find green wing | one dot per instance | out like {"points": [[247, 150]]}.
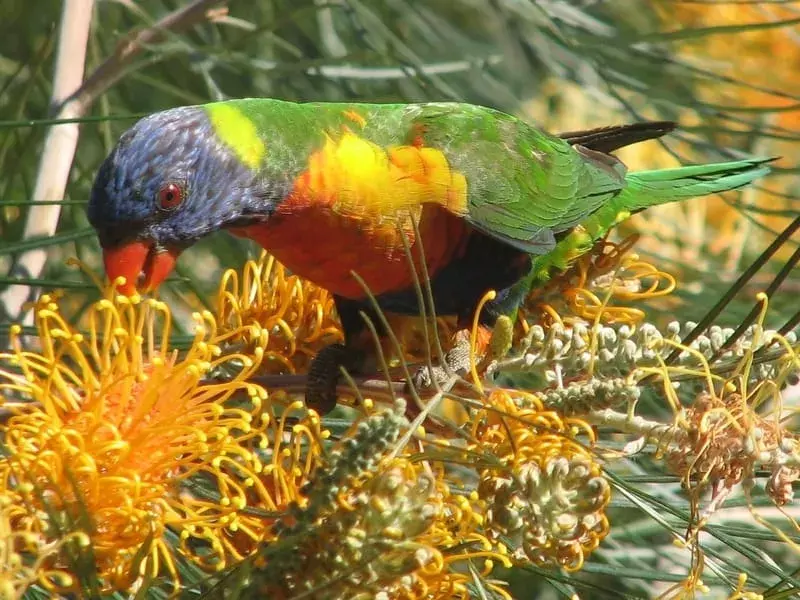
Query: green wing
{"points": [[524, 185]]}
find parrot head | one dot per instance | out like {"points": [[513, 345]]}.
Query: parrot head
{"points": [[169, 181]]}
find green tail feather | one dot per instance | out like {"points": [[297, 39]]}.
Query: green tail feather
{"points": [[644, 189], [651, 188]]}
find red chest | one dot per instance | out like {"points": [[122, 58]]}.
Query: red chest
{"points": [[323, 246]]}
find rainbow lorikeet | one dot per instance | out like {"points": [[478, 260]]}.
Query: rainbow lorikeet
{"points": [[330, 189]]}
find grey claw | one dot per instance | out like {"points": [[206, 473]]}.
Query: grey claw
{"points": [[457, 361], [426, 377]]}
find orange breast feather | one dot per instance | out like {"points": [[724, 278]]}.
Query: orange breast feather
{"points": [[350, 208]]}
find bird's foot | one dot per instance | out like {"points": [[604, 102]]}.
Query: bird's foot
{"points": [[456, 362], [435, 376], [324, 373]]}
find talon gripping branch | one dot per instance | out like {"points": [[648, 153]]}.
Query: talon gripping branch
{"points": [[330, 189]]}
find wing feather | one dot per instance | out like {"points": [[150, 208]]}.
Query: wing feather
{"points": [[524, 186]]}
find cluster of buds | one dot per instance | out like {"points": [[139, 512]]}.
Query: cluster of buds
{"points": [[542, 490], [569, 350], [551, 502], [346, 469], [372, 526], [368, 543], [581, 397]]}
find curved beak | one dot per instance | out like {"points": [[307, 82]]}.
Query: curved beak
{"points": [[143, 265]]}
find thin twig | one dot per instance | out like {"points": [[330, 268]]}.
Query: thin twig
{"points": [[116, 66]]}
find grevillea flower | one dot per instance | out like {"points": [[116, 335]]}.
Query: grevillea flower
{"points": [[263, 306], [113, 435], [548, 496], [736, 423], [291, 449]]}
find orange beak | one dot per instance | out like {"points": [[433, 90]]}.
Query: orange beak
{"points": [[135, 258]]}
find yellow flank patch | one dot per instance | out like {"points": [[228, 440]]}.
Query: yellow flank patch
{"points": [[358, 178], [237, 132]]}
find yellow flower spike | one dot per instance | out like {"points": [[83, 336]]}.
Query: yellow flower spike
{"points": [[121, 426]]}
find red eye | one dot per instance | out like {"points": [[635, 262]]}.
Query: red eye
{"points": [[170, 196]]}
